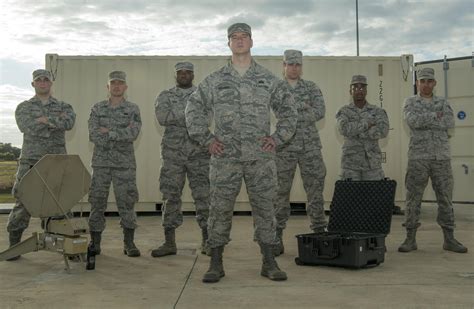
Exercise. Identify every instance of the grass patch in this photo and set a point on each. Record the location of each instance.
(7, 179)
(6, 198)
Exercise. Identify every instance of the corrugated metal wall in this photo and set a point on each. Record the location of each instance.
(81, 81)
(460, 82)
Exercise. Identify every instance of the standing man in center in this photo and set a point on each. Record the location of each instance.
(362, 124)
(114, 125)
(240, 97)
(304, 149)
(180, 156)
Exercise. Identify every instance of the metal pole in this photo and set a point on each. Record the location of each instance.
(445, 69)
(357, 25)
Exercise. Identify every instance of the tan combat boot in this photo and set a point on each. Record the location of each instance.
(129, 247)
(410, 242)
(168, 247)
(451, 244)
(216, 268)
(270, 267)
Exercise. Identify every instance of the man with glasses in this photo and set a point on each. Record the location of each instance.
(362, 125)
(43, 120)
(240, 97)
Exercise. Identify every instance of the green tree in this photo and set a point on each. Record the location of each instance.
(9, 152)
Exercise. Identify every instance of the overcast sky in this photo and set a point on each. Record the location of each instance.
(30, 29)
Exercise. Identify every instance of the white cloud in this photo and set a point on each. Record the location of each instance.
(428, 29)
(10, 97)
(198, 27)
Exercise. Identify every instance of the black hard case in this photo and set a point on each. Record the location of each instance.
(361, 213)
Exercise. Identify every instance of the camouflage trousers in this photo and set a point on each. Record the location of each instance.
(375, 174)
(126, 195)
(416, 179)
(19, 217)
(226, 181)
(172, 179)
(313, 173)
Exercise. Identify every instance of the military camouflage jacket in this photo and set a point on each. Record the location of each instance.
(310, 105)
(169, 110)
(241, 109)
(428, 133)
(361, 150)
(115, 148)
(38, 138)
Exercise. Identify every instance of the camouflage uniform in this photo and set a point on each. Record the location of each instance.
(38, 140)
(181, 156)
(113, 161)
(429, 156)
(361, 155)
(241, 106)
(304, 149)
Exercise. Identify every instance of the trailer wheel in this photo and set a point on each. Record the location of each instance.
(298, 261)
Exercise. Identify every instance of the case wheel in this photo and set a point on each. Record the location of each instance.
(298, 261)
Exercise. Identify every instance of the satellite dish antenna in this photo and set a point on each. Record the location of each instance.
(54, 186)
(49, 191)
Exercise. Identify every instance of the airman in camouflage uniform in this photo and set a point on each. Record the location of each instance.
(43, 121)
(114, 125)
(304, 149)
(240, 96)
(362, 125)
(429, 118)
(180, 156)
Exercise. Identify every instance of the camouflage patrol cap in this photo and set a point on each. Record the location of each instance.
(292, 56)
(426, 73)
(239, 27)
(188, 66)
(359, 79)
(117, 75)
(41, 73)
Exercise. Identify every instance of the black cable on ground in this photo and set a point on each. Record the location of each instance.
(187, 279)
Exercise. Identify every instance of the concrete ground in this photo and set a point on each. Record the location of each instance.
(427, 278)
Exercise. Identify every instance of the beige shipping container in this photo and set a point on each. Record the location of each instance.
(81, 81)
(455, 80)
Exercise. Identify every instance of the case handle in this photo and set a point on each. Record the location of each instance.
(334, 254)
